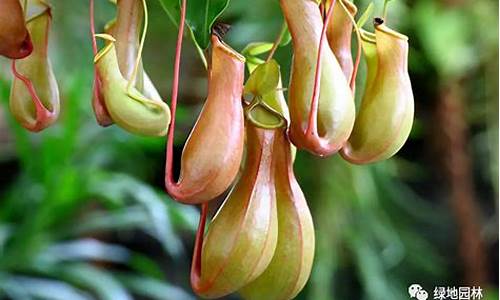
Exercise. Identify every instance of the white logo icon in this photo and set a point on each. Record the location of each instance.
(422, 295)
(416, 291)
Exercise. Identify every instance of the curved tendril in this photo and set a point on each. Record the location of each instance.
(352, 80)
(139, 52)
(41, 112)
(198, 245)
(94, 43)
(106, 48)
(175, 92)
(92, 28)
(202, 55)
(97, 81)
(277, 42)
(25, 8)
(131, 81)
(143, 99)
(311, 126)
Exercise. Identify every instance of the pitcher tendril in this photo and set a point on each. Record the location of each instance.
(134, 106)
(352, 80)
(141, 46)
(215, 144)
(42, 114)
(277, 42)
(175, 92)
(34, 97)
(312, 127)
(92, 27)
(25, 8)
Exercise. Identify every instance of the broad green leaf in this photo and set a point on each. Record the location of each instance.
(172, 8)
(97, 280)
(200, 16)
(252, 51)
(264, 79)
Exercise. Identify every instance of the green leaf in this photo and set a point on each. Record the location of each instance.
(172, 8)
(254, 49)
(253, 63)
(264, 79)
(121, 187)
(366, 15)
(200, 16)
(97, 280)
(286, 39)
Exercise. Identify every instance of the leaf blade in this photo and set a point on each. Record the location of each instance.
(200, 21)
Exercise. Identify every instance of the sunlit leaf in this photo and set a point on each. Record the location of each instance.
(286, 39)
(254, 49)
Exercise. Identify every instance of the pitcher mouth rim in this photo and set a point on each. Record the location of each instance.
(226, 48)
(379, 24)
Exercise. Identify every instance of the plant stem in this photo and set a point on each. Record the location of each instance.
(25, 8)
(202, 55)
(169, 177)
(92, 27)
(352, 80)
(198, 245)
(141, 46)
(384, 12)
(277, 42)
(42, 113)
(317, 76)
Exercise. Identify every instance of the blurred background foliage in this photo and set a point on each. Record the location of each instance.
(83, 214)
